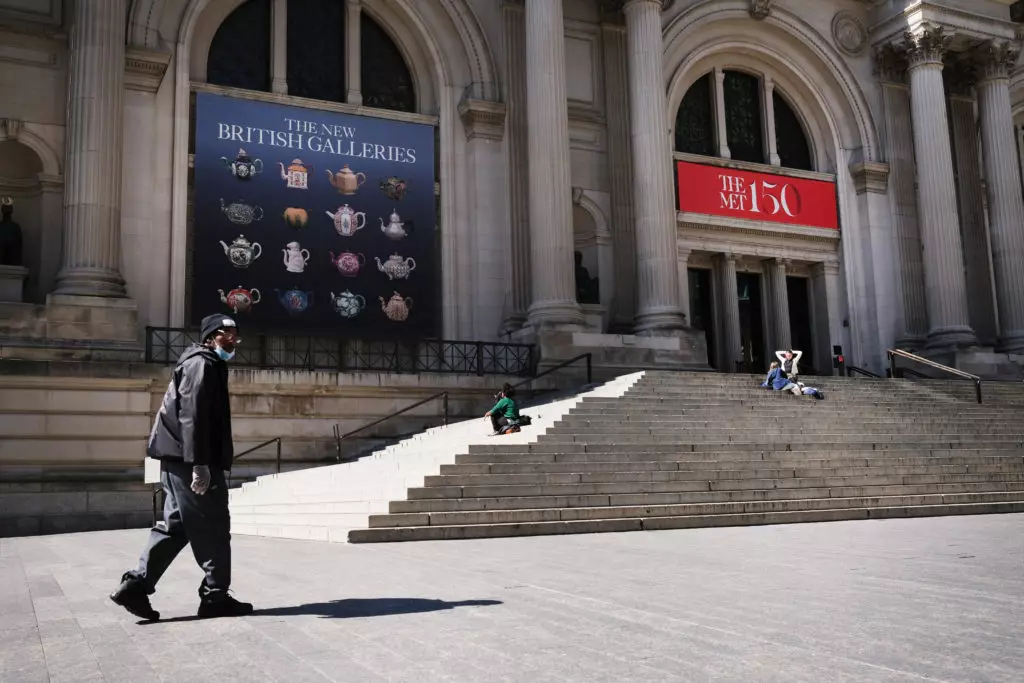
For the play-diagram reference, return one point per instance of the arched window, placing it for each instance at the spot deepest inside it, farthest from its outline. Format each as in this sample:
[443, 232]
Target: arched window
[744, 104]
[240, 54]
[240, 51]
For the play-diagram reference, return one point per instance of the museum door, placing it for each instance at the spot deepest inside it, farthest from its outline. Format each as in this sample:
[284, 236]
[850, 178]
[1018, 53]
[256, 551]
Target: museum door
[748, 286]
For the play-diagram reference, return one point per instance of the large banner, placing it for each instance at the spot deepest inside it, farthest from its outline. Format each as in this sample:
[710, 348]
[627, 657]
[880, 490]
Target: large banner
[718, 191]
[313, 222]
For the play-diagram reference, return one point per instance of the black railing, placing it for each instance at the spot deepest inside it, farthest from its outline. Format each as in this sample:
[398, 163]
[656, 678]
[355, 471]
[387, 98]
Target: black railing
[564, 364]
[339, 437]
[899, 372]
[276, 440]
[852, 370]
[302, 352]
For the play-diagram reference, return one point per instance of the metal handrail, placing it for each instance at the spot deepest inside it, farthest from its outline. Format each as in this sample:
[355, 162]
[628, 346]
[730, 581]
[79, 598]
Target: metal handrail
[899, 353]
[256, 448]
[590, 369]
[854, 370]
[338, 437]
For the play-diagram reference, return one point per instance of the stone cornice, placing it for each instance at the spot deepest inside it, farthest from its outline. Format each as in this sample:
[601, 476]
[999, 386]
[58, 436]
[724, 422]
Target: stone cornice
[870, 176]
[482, 119]
[144, 69]
[700, 223]
[967, 27]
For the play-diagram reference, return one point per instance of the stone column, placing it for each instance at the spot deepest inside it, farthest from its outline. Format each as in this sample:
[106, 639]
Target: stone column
[1005, 204]
[946, 292]
[973, 232]
[778, 305]
[683, 260]
[279, 47]
[729, 301]
[770, 138]
[620, 173]
[553, 302]
[353, 52]
[828, 325]
[518, 169]
[657, 277]
[92, 202]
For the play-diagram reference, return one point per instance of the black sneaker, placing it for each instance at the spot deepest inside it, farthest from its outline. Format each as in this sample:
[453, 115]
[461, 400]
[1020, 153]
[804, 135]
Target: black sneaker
[131, 595]
[226, 606]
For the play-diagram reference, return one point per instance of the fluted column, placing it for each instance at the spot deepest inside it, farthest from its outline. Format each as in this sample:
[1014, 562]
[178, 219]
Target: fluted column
[518, 167]
[553, 301]
[946, 292]
[91, 256]
[1005, 204]
[683, 266]
[729, 301]
[782, 337]
[657, 277]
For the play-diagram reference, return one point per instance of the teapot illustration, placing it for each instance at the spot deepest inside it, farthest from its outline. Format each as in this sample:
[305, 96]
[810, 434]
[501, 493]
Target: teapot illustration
[347, 263]
[295, 301]
[295, 257]
[395, 229]
[396, 268]
[347, 304]
[240, 299]
[345, 181]
[296, 175]
[296, 218]
[347, 220]
[241, 252]
[396, 308]
[241, 213]
[394, 188]
[243, 167]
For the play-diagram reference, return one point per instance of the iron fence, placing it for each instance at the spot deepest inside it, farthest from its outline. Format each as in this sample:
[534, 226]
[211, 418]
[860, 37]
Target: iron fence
[297, 352]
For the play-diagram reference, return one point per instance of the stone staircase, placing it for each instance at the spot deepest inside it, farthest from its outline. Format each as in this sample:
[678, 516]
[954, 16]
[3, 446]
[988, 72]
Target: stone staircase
[682, 450]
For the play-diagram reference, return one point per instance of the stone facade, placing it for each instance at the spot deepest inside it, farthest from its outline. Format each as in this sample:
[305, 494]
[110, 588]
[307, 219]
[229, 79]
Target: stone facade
[557, 124]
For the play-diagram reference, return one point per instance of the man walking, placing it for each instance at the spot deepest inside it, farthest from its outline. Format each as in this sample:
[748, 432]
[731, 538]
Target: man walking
[191, 438]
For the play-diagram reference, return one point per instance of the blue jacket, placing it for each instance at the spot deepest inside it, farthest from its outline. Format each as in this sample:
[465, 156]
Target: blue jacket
[776, 380]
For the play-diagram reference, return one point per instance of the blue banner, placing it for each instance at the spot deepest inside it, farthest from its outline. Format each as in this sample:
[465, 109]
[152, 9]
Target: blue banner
[309, 221]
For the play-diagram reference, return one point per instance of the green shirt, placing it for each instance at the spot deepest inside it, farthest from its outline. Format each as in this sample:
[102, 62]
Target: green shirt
[506, 407]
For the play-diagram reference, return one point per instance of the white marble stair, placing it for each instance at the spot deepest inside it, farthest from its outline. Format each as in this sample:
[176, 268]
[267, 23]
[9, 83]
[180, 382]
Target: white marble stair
[325, 503]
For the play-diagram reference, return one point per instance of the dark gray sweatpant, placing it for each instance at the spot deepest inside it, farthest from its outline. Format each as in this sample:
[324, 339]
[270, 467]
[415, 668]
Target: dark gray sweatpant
[202, 521]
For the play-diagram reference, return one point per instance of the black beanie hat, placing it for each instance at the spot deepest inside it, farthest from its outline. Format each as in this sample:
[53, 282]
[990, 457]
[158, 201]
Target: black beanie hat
[212, 323]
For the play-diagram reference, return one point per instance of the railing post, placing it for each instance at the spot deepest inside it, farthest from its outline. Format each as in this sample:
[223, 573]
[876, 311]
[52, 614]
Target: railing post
[892, 365]
[279, 456]
[977, 387]
[149, 344]
[444, 400]
[590, 372]
[480, 359]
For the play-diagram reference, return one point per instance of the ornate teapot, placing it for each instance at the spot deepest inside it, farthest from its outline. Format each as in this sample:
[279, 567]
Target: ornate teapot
[345, 181]
[347, 220]
[241, 252]
[394, 188]
[396, 308]
[295, 301]
[295, 257]
[241, 213]
[240, 299]
[295, 218]
[396, 268]
[395, 229]
[243, 167]
[347, 263]
[347, 304]
[296, 175]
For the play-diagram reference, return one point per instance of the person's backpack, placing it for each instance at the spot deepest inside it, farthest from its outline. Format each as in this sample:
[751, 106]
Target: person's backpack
[525, 420]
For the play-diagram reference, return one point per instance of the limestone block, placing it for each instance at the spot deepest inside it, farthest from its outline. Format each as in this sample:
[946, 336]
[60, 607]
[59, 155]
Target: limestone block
[12, 283]
[72, 451]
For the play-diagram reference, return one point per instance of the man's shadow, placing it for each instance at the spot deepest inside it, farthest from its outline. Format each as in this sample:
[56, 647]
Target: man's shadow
[352, 608]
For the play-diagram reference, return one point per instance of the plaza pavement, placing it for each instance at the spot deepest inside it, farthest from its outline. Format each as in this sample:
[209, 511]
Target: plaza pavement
[937, 599]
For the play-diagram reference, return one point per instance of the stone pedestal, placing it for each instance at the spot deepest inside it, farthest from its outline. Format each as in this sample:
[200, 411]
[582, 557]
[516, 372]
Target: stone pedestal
[90, 318]
[12, 283]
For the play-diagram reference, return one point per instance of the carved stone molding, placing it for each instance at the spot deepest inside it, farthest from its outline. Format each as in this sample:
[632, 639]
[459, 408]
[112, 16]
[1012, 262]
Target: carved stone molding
[760, 9]
[927, 44]
[870, 176]
[482, 119]
[849, 33]
[996, 59]
[144, 69]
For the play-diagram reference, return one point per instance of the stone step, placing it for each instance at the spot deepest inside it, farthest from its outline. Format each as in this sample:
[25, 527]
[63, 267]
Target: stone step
[712, 438]
[417, 533]
[673, 498]
[678, 510]
[732, 427]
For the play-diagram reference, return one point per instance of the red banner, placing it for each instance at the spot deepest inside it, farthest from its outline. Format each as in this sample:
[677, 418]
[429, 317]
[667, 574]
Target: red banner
[754, 196]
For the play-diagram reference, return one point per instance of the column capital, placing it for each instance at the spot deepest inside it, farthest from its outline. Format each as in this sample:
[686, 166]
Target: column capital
[926, 44]
[829, 266]
[614, 9]
[995, 59]
[870, 176]
[890, 64]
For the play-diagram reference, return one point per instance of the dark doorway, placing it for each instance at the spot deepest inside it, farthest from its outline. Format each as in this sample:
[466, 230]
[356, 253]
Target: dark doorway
[748, 285]
[701, 308]
[800, 322]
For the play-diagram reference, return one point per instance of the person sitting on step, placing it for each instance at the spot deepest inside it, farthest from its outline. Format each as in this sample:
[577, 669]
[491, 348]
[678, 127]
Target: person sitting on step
[773, 370]
[777, 381]
[505, 413]
[790, 360]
